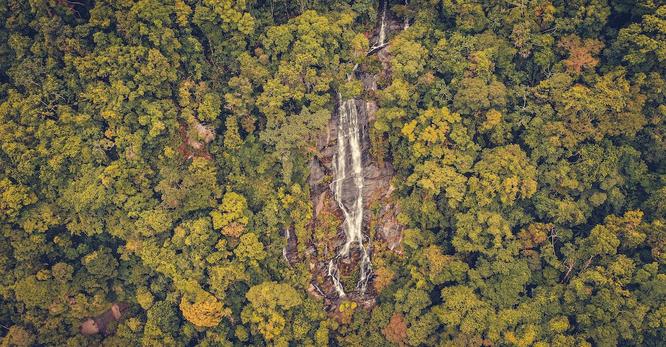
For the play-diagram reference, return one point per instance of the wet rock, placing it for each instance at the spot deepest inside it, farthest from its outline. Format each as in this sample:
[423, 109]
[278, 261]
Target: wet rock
[290, 250]
[315, 291]
[376, 191]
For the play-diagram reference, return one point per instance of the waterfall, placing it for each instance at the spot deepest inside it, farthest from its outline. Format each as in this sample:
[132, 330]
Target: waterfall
[348, 192]
[381, 36]
[347, 186]
[334, 275]
[284, 249]
[382, 26]
[349, 133]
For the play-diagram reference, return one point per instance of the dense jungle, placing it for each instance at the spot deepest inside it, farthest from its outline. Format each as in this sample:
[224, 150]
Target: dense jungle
[332, 173]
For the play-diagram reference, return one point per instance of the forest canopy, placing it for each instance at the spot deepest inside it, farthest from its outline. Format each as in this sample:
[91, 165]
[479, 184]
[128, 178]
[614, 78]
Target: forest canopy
[170, 172]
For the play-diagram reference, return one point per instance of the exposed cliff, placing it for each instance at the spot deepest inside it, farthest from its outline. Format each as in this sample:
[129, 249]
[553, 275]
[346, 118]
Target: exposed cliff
[337, 194]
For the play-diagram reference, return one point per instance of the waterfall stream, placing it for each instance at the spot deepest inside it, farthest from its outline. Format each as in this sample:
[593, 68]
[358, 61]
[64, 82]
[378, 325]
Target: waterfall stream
[348, 192]
[347, 186]
[382, 27]
[284, 249]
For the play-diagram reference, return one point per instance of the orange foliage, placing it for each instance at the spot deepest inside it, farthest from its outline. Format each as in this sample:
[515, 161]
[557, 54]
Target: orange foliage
[383, 277]
[396, 330]
[233, 230]
[581, 52]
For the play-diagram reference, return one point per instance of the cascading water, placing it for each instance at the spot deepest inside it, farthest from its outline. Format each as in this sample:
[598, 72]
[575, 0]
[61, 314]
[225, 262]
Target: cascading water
[348, 184]
[284, 249]
[382, 27]
[349, 179]
[348, 192]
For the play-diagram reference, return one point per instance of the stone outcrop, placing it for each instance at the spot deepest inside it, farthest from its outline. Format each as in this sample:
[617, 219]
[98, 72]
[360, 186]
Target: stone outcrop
[101, 323]
[379, 209]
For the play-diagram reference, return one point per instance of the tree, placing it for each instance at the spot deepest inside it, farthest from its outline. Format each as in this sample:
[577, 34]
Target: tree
[581, 53]
[162, 153]
[13, 199]
[18, 336]
[204, 310]
[641, 44]
[269, 301]
[502, 176]
[396, 330]
[231, 215]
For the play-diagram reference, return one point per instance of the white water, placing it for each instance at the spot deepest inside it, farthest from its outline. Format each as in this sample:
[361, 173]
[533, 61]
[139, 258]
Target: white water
[349, 133]
[335, 276]
[382, 27]
[349, 180]
[349, 183]
[284, 249]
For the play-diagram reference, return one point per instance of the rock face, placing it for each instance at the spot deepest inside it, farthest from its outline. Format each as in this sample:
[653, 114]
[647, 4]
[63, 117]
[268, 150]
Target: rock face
[102, 322]
[328, 181]
[376, 177]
